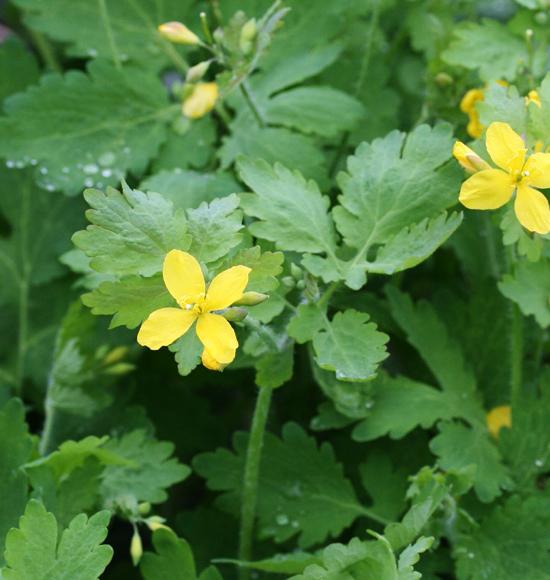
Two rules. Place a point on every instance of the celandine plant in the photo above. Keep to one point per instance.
(275, 290)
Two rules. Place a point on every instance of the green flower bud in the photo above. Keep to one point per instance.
(144, 508)
(296, 272)
(249, 30)
(195, 73)
(288, 281)
(234, 314)
(252, 298)
(136, 548)
(443, 79)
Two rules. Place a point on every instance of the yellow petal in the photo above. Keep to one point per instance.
(165, 326)
(537, 170)
(218, 337)
(505, 146)
(468, 158)
(182, 275)
(210, 362)
(498, 418)
(201, 101)
(474, 128)
(227, 287)
(488, 189)
(532, 209)
(178, 32)
(469, 100)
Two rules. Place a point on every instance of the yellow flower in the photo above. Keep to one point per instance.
(468, 106)
(178, 33)
(498, 418)
(533, 97)
(201, 100)
(184, 280)
(491, 188)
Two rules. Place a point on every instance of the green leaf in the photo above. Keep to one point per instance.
(214, 228)
(188, 189)
(273, 145)
(354, 561)
(275, 368)
(154, 470)
(503, 103)
(18, 67)
(410, 556)
(488, 47)
(16, 446)
(351, 346)
(321, 110)
(132, 24)
(526, 445)
(37, 551)
(399, 405)
(266, 266)
(292, 563)
(306, 323)
(129, 300)
(393, 183)
(529, 288)
(121, 122)
(511, 542)
(302, 489)
(458, 446)
(188, 350)
(414, 244)
(280, 193)
(131, 232)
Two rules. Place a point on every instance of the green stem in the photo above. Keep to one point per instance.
(47, 441)
(46, 51)
(249, 98)
(517, 355)
(173, 55)
(109, 31)
(22, 335)
(251, 476)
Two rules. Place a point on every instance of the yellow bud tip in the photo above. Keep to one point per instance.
(178, 33)
(201, 100)
(210, 362)
(136, 548)
(115, 355)
(468, 158)
(498, 418)
(533, 97)
(154, 526)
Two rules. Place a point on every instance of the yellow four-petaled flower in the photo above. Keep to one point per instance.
(490, 188)
(184, 280)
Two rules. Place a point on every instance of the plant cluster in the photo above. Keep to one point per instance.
(275, 290)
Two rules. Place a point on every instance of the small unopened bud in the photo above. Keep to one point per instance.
(529, 33)
(119, 369)
(136, 548)
(443, 79)
(301, 284)
(201, 100)
(195, 73)
(288, 281)
(249, 30)
(144, 508)
(252, 298)
(178, 33)
(541, 17)
(296, 272)
(156, 523)
(234, 314)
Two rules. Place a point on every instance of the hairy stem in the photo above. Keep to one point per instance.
(46, 51)
(516, 346)
(249, 98)
(251, 475)
(47, 440)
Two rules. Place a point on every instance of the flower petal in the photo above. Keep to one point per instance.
(532, 209)
(468, 158)
(505, 146)
(537, 170)
(488, 189)
(218, 337)
(182, 275)
(165, 326)
(227, 287)
(210, 362)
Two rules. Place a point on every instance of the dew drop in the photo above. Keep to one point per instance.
(90, 168)
(282, 519)
(92, 52)
(106, 173)
(33, 161)
(43, 170)
(65, 170)
(106, 159)
(539, 462)
(50, 187)
(19, 164)
(88, 182)
(295, 524)
(471, 555)
(10, 163)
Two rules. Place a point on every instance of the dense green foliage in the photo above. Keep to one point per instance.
(351, 438)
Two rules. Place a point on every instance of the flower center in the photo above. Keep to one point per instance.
(196, 304)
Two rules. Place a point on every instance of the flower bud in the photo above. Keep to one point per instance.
(119, 369)
(468, 158)
(498, 418)
(288, 281)
(234, 314)
(144, 508)
(136, 548)
(178, 33)
(443, 79)
(251, 299)
(295, 271)
(533, 97)
(210, 362)
(156, 523)
(195, 73)
(249, 30)
(201, 100)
